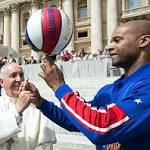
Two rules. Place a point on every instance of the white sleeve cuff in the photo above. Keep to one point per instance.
(18, 116)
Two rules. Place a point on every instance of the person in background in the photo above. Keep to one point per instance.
(66, 56)
(32, 60)
(22, 126)
(119, 112)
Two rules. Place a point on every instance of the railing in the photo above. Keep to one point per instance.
(76, 69)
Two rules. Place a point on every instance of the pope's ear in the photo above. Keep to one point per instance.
(1, 82)
(144, 41)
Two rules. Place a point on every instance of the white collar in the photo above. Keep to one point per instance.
(8, 98)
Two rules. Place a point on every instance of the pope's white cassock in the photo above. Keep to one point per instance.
(32, 131)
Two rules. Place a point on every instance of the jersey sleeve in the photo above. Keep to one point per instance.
(57, 115)
(116, 122)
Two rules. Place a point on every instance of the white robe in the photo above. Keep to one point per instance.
(33, 132)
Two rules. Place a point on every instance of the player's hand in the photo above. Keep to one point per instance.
(51, 74)
(36, 98)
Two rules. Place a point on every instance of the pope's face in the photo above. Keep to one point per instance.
(12, 79)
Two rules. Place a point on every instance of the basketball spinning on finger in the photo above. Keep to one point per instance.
(48, 30)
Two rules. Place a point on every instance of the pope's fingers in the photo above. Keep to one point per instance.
(25, 85)
(20, 89)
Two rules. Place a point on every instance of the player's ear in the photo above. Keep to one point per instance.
(144, 41)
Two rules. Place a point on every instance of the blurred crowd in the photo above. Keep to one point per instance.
(63, 56)
(80, 55)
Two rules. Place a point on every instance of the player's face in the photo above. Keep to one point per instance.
(12, 80)
(123, 48)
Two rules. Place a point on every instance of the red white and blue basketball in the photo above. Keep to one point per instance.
(48, 30)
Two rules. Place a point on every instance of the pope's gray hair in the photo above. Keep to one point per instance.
(3, 69)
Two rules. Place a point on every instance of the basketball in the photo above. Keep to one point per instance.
(48, 30)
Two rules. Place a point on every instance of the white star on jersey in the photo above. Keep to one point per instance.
(138, 101)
